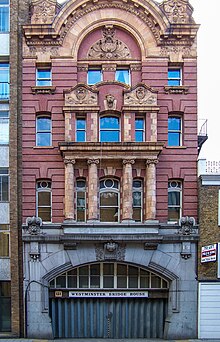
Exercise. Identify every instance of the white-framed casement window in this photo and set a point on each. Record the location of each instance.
(80, 129)
(174, 130)
(4, 81)
(43, 77)
(108, 275)
(174, 200)
(4, 16)
(4, 185)
(94, 75)
(80, 200)
(123, 75)
(139, 129)
(137, 194)
(109, 200)
(174, 76)
(44, 200)
(43, 131)
(4, 240)
(4, 127)
(109, 127)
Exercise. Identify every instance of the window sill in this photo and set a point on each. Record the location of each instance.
(43, 147)
(43, 90)
(176, 89)
(176, 147)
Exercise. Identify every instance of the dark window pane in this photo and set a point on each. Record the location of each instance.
(108, 282)
(61, 281)
(109, 214)
(72, 281)
(95, 282)
(4, 245)
(109, 199)
(84, 270)
(155, 281)
(44, 214)
(173, 214)
(173, 198)
(121, 269)
(122, 282)
(95, 269)
(108, 269)
(84, 281)
(44, 198)
(5, 316)
(133, 282)
(137, 214)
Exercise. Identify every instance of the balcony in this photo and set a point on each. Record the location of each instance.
(202, 135)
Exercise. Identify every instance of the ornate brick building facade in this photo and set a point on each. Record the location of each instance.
(109, 169)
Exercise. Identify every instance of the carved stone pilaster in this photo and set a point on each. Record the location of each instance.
(93, 190)
(127, 212)
(69, 188)
(151, 188)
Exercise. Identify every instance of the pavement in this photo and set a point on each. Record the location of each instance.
(12, 339)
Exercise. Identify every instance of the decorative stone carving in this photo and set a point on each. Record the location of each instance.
(69, 161)
(140, 95)
(93, 161)
(34, 251)
(109, 47)
(151, 161)
(187, 224)
(110, 250)
(128, 161)
(186, 250)
(110, 102)
(34, 225)
(43, 11)
(81, 95)
(177, 11)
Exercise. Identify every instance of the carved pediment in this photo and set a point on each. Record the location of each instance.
(109, 47)
(140, 95)
(177, 11)
(43, 11)
(81, 95)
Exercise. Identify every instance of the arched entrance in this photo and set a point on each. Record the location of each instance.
(108, 300)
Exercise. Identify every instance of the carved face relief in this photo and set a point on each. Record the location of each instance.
(81, 93)
(140, 93)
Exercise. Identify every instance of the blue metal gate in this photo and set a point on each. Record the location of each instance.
(108, 318)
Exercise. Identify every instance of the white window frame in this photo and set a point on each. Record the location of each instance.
(6, 232)
(45, 79)
(91, 69)
(8, 191)
(4, 86)
(42, 132)
(129, 74)
(110, 129)
(176, 189)
(80, 130)
(110, 189)
(2, 27)
(140, 190)
(180, 132)
(78, 189)
(44, 189)
(4, 121)
(179, 79)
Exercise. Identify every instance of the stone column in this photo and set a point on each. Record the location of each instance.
(151, 189)
(127, 212)
(69, 189)
(93, 190)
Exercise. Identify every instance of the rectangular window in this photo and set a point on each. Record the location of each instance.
(94, 76)
(174, 131)
(174, 201)
(4, 81)
(80, 200)
(123, 75)
(43, 134)
(4, 240)
(44, 77)
(174, 77)
(44, 200)
(5, 306)
(80, 130)
(4, 127)
(4, 185)
(4, 16)
(139, 129)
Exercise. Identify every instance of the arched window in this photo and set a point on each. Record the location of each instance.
(80, 200)
(109, 276)
(44, 200)
(43, 131)
(137, 200)
(174, 130)
(109, 129)
(174, 200)
(109, 200)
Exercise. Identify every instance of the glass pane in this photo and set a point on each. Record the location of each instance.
(173, 198)
(137, 214)
(133, 282)
(4, 245)
(109, 136)
(173, 139)
(173, 214)
(43, 83)
(144, 282)
(44, 198)
(95, 282)
(108, 282)
(122, 282)
(139, 136)
(72, 282)
(132, 270)
(5, 317)
(155, 281)
(43, 74)
(4, 2)
(61, 281)
(44, 214)
(109, 122)
(139, 123)
(80, 124)
(4, 73)
(84, 281)
(174, 124)
(95, 269)
(4, 226)
(108, 269)
(4, 130)
(44, 139)
(94, 76)
(136, 198)
(81, 215)
(80, 136)
(109, 214)
(122, 75)
(43, 124)
(137, 184)
(4, 188)
(108, 199)
(72, 272)
(81, 200)
(84, 270)
(121, 270)
(80, 184)
(174, 83)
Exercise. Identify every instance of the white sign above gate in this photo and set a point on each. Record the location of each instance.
(108, 294)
